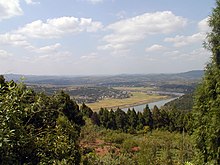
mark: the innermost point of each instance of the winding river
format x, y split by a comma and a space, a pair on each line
151, 105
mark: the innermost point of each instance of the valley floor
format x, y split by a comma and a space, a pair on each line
137, 98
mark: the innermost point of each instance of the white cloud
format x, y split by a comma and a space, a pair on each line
198, 54
48, 49
54, 28
121, 15
149, 23
174, 54
203, 25
138, 28
179, 41
95, 1
92, 56
155, 48
115, 49
112, 46
53, 57
14, 39
50, 53
31, 2
9, 8
123, 38
21, 41
4, 54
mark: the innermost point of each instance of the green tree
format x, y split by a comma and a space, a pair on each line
121, 120
147, 115
87, 111
176, 120
206, 111
16, 144
111, 122
95, 118
132, 119
141, 121
37, 129
157, 117
68, 107
104, 117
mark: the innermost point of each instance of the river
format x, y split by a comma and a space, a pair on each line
151, 105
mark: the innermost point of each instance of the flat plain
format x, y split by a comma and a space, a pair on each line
137, 98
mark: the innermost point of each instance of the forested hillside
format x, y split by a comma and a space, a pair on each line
183, 103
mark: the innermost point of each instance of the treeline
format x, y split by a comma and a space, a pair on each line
132, 121
181, 88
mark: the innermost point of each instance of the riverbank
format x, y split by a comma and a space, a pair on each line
138, 98
159, 104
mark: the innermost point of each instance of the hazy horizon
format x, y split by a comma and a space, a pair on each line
98, 75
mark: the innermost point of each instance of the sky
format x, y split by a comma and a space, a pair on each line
103, 37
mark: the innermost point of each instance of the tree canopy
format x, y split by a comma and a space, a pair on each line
37, 129
207, 99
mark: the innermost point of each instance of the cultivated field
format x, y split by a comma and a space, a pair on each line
137, 98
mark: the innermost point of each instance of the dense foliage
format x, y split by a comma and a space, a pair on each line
131, 121
207, 100
37, 129
183, 103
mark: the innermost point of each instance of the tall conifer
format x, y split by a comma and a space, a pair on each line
206, 111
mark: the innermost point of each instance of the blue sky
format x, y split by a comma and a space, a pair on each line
90, 37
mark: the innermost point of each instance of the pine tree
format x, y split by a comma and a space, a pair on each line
206, 111
141, 121
87, 111
157, 118
111, 122
95, 118
147, 115
132, 119
121, 120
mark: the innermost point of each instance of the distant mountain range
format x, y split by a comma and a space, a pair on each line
114, 80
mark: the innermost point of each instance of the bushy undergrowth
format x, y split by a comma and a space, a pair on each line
156, 148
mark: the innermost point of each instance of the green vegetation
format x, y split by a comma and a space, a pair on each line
114, 147
132, 121
37, 129
206, 112
183, 103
